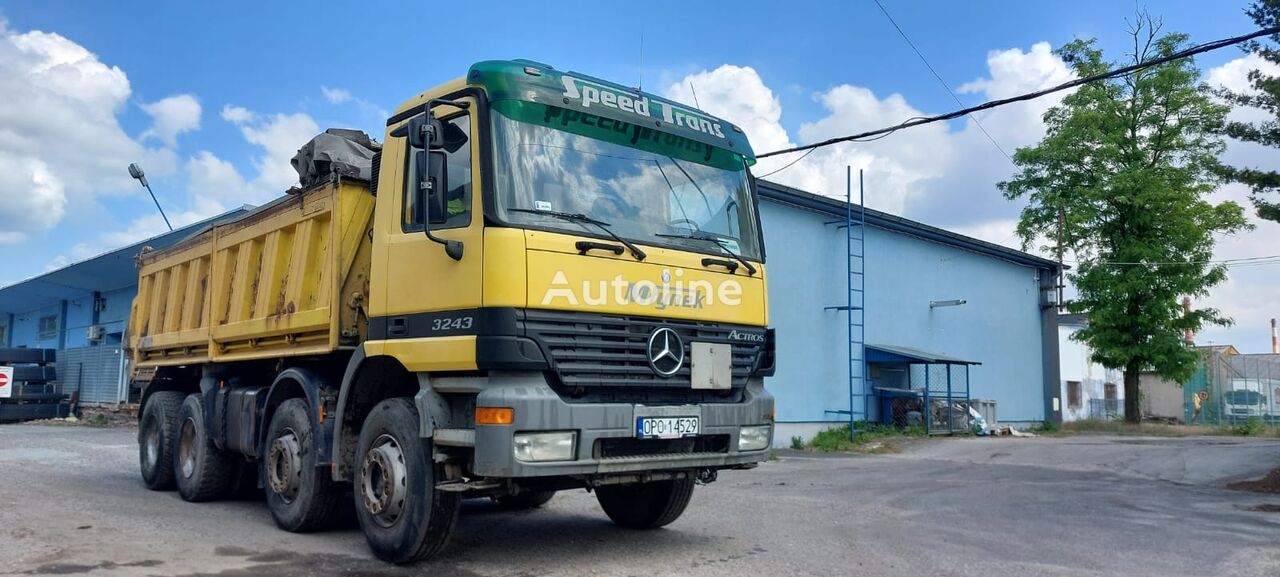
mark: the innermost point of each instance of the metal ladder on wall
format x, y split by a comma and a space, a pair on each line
855, 226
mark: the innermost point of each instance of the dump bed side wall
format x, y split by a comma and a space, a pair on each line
287, 280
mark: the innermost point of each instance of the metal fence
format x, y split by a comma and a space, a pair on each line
1233, 389
1106, 409
93, 371
945, 392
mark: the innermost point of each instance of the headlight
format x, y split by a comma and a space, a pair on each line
545, 446
754, 438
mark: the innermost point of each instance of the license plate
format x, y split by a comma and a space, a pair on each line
666, 427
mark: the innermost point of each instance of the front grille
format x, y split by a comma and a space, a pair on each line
606, 352
620, 447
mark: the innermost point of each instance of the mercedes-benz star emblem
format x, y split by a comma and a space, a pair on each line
666, 352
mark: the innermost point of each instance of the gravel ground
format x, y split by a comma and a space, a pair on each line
71, 503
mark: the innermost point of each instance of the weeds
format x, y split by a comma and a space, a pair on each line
1046, 427
870, 438
1254, 427
797, 442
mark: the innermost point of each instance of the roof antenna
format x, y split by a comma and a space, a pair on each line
640, 88
695, 95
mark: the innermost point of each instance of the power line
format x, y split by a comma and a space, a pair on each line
1198, 49
810, 151
940, 80
787, 165
1236, 262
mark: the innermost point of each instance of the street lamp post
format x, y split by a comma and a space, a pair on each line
136, 172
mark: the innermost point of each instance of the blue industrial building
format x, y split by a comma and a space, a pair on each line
932, 303
82, 310
975, 317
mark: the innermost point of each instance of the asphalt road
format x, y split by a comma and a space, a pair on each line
71, 503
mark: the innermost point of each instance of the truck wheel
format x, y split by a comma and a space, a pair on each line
202, 471
645, 505
526, 500
403, 516
301, 495
157, 435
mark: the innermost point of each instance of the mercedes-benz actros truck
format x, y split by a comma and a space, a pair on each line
538, 281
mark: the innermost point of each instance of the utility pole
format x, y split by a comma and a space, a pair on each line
1062, 218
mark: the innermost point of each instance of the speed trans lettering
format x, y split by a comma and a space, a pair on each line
590, 94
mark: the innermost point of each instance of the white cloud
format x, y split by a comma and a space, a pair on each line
280, 138
172, 116
61, 144
237, 114
335, 95
935, 172
215, 185
370, 112
737, 93
33, 197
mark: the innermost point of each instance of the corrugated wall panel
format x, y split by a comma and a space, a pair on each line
94, 371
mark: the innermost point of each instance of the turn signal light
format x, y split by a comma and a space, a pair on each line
495, 415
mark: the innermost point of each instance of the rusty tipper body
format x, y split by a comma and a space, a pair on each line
539, 281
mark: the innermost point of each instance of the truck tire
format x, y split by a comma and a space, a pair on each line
302, 497
201, 471
646, 505
403, 516
526, 500
157, 436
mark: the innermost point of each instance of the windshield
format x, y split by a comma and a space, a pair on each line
1239, 397
641, 181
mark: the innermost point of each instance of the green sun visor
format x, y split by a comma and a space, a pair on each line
534, 93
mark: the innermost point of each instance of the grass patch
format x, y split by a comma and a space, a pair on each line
870, 438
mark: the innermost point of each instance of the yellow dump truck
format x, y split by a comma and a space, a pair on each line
538, 281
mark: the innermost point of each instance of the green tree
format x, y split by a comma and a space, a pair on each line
1120, 181
1265, 96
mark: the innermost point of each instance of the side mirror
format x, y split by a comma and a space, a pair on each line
433, 183
425, 132
432, 179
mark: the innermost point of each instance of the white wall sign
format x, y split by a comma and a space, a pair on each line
6, 381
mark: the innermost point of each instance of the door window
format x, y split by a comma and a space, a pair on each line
458, 187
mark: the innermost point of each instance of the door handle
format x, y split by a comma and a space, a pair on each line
585, 246
731, 265
397, 326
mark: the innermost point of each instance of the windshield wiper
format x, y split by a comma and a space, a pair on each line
582, 218
751, 270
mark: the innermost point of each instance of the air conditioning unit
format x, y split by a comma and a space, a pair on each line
96, 333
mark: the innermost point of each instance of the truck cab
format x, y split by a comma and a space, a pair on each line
559, 284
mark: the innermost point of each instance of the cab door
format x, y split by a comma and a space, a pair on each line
427, 296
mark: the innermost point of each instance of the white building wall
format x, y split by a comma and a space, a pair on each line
1075, 366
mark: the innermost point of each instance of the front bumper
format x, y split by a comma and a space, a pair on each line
538, 408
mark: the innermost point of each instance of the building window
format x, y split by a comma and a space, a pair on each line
1110, 391
1073, 395
48, 327
4, 334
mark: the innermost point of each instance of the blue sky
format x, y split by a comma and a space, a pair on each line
247, 80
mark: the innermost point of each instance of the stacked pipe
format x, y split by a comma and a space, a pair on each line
32, 394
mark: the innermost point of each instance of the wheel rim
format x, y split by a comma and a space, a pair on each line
284, 465
187, 448
151, 444
384, 481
